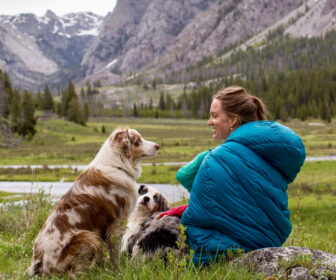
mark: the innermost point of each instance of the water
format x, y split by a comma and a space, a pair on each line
82, 167
322, 158
172, 193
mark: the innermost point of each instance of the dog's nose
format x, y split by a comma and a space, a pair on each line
157, 146
146, 199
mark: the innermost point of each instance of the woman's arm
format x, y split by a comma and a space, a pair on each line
177, 212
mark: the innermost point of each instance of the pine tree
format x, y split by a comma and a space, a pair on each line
6, 93
28, 122
184, 105
15, 110
162, 102
67, 96
86, 112
38, 101
48, 101
150, 106
88, 89
135, 111
82, 94
4, 99
74, 113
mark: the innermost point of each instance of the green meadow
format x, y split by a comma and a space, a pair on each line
63, 142
313, 219
312, 196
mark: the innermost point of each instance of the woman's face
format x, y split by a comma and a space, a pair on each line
220, 122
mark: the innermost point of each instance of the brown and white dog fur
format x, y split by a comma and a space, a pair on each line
150, 201
100, 199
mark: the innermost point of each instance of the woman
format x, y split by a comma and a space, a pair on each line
238, 198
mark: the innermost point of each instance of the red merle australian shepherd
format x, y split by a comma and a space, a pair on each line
99, 201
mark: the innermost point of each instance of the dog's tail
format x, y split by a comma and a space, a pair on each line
81, 253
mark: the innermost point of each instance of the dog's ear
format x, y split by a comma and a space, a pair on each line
121, 139
117, 136
163, 204
142, 190
126, 145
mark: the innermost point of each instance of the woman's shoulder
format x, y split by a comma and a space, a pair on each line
264, 132
277, 144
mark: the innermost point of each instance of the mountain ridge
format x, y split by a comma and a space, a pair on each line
148, 38
33, 49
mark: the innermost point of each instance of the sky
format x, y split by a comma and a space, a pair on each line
59, 7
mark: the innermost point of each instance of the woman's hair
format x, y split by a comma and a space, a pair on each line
236, 101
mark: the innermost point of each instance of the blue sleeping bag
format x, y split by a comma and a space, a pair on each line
239, 197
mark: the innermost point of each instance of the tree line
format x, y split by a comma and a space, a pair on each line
295, 76
300, 94
18, 109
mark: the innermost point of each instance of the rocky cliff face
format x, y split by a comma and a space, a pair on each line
165, 36
225, 23
169, 34
318, 18
34, 48
137, 32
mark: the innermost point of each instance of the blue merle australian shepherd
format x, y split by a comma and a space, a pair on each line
147, 235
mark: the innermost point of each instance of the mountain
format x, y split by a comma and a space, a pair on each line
164, 36
148, 39
34, 50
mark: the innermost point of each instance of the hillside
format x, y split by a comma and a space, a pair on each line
169, 35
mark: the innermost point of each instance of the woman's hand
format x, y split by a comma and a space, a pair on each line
177, 212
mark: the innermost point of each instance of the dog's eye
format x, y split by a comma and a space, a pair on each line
155, 198
137, 143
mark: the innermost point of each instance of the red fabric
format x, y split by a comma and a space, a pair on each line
177, 212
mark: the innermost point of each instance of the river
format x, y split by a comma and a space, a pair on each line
172, 193
82, 167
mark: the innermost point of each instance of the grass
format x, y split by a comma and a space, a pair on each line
44, 174
316, 177
62, 142
19, 225
6, 197
312, 217
155, 174
312, 196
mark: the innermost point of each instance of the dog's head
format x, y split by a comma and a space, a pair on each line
131, 144
150, 200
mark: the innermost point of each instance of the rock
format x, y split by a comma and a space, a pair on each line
300, 273
292, 263
167, 35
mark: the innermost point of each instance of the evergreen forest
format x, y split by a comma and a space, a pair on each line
296, 77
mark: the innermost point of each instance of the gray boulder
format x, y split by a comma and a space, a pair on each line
294, 263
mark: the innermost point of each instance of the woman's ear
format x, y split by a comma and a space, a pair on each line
234, 121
